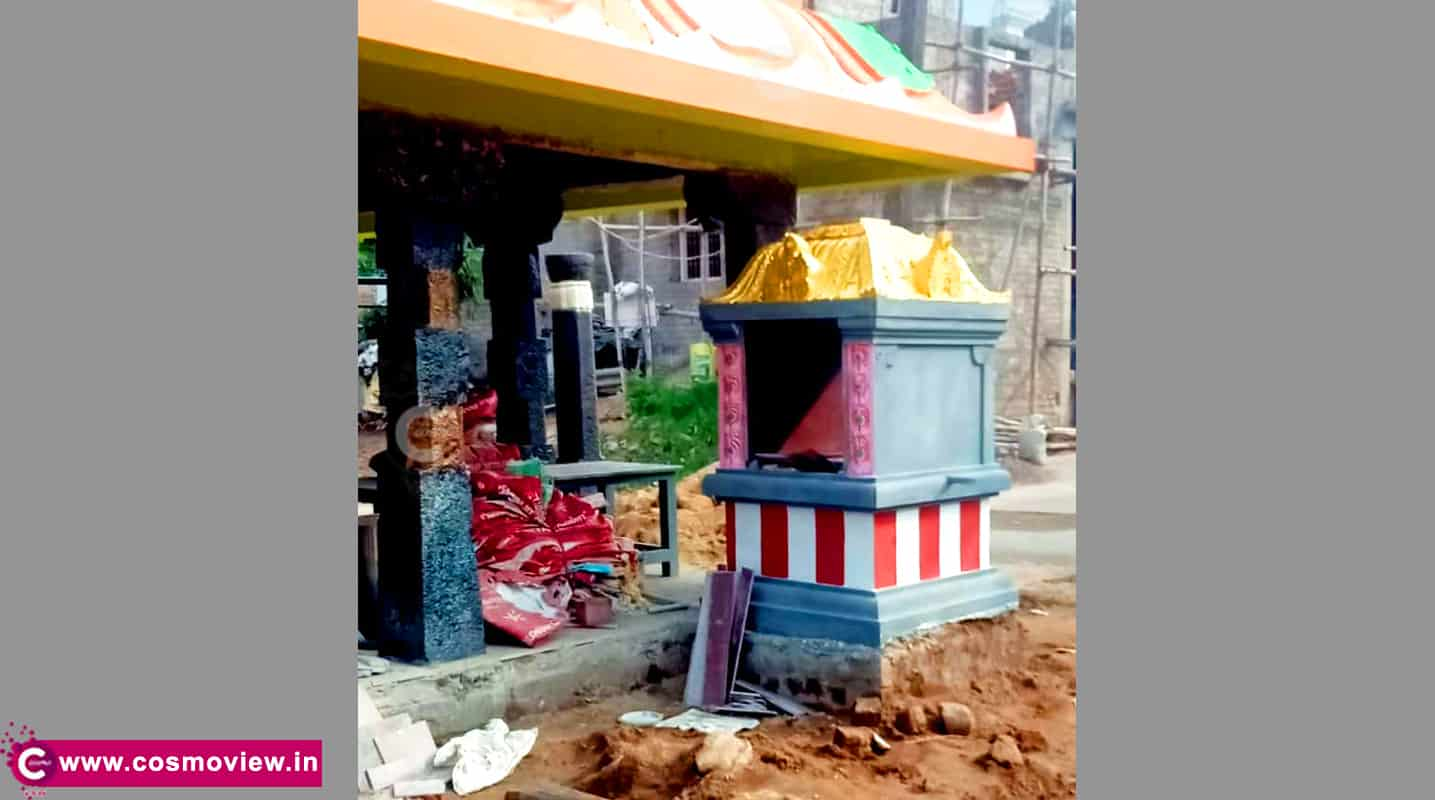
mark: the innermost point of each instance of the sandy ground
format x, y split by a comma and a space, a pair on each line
1032, 702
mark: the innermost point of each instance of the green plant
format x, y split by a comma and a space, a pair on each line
470, 274
371, 321
368, 261
671, 422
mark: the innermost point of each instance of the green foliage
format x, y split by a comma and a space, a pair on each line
368, 261
470, 275
671, 423
371, 321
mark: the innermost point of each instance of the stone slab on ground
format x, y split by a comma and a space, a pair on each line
368, 712
405, 743
415, 768
422, 788
369, 754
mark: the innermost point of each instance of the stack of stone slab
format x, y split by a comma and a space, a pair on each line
396, 755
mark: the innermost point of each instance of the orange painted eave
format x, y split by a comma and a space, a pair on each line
456, 44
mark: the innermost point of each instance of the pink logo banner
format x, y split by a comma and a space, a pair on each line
167, 763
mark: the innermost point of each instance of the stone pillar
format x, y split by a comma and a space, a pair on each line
754, 210
522, 218
575, 389
517, 357
428, 579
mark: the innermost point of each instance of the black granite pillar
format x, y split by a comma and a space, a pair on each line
428, 579
522, 217
753, 210
570, 302
517, 357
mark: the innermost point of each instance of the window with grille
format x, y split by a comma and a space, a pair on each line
701, 254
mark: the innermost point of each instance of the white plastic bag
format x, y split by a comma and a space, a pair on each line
484, 756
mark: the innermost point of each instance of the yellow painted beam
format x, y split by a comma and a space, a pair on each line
568, 92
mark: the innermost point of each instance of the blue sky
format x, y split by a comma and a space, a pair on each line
979, 12
974, 12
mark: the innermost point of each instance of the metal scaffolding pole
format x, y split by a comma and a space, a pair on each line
643, 294
1048, 162
1058, 20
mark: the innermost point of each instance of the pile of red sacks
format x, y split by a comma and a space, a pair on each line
526, 549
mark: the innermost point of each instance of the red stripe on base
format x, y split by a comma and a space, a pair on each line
774, 540
730, 519
971, 535
929, 545
831, 546
884, 549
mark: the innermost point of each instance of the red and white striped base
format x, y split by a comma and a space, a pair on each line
860, 549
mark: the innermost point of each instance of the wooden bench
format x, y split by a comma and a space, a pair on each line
607, 476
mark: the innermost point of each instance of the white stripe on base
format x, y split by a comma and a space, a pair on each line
909, 546
950, 549
858, 545
801, 544
986, 540
748, 518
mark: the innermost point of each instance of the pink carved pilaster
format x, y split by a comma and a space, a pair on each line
732, 406
857, 392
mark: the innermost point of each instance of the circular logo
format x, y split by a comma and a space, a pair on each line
419, 438
34, 763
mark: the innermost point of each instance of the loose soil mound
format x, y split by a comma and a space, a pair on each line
1023, 698
701, 522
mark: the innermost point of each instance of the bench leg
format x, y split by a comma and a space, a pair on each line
668, 525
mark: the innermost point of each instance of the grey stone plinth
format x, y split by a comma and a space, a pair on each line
867, 494
798, 609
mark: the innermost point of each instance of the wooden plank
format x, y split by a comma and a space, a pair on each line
719, 643
742, 597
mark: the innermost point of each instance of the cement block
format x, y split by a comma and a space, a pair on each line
368, 759
405, 743
385, 725
385, 776
368, 753
421, 788
368, 712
